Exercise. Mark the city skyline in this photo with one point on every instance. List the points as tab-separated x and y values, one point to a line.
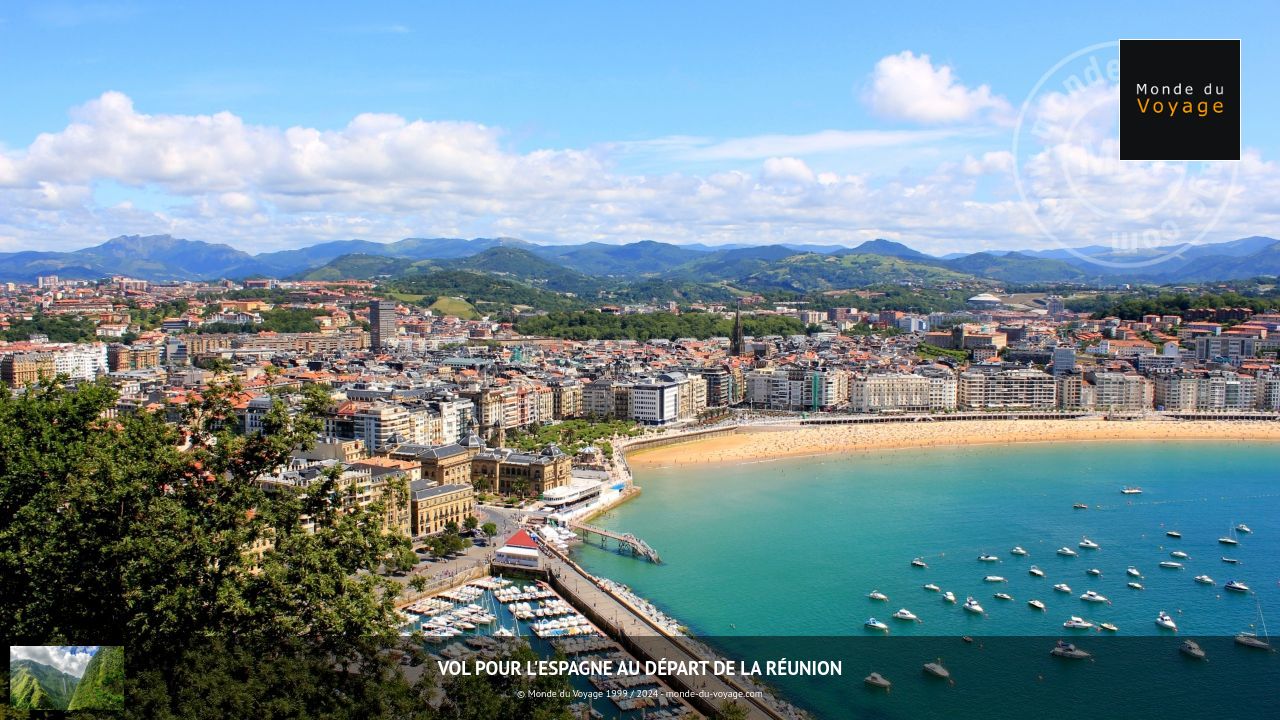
427	124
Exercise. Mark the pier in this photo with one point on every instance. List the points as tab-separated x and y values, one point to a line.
638	547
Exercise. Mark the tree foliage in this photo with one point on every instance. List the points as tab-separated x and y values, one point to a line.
649	326
129	531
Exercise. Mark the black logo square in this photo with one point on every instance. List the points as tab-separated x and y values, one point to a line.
1179	99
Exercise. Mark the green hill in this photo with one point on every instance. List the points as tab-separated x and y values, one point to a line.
813	271
37	686
102	687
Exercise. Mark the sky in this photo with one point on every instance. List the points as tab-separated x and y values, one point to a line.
275	125
70	659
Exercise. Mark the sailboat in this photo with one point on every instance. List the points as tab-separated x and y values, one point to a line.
1250	639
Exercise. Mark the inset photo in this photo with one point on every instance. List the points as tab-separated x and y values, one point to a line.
62	680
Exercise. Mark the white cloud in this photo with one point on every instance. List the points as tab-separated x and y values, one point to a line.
69	659
383	177
907	86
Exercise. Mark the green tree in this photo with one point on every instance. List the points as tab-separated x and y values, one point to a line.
489	529
470	523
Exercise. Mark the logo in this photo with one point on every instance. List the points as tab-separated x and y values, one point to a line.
1117	213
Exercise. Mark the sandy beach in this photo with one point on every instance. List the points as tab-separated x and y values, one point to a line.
754	444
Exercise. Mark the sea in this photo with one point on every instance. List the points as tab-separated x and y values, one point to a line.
775	559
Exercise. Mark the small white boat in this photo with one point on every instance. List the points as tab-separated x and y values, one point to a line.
919	562
1003	596
972	606
1091	596
931	587
1192	649
1179	554
1065	649
935	669
1243	528
949	596
877	595
988	558
875	624
1230	561
1171	565
994	579
1173	533
1236	586
877	680
1135	586
1133	572
1067	552
1109	627
1166	622
1036	571
1204	580
1095	572
905	614
1228	541
1088	544
1036	604
1127	490
1017	550
1062	588
1076	623
1080	506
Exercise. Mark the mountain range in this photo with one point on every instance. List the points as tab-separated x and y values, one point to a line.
36	686
594	265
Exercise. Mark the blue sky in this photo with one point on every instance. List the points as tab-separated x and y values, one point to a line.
622	110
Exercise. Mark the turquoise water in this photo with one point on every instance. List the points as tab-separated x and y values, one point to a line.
791	548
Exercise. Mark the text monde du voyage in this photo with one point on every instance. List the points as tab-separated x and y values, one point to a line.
1180	99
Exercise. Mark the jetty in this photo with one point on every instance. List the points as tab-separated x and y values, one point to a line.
638	547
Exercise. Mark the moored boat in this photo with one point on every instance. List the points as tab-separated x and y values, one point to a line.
919	562
949	596
1067	650
905	614
1062	588
1091	596
1166	622
875	624
1135	586
1133	572
931	587
994	579
1173	534
971	605
1036	604
937	670
1179	554
1088	544
1095	572
1067	552
1236	586
1018	550
1243	528
1109	627
1230	561
1077	623
1192	649
877	595
988	558
1036	571
1204	579
1171	565
1003	596
877	680
1130	490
